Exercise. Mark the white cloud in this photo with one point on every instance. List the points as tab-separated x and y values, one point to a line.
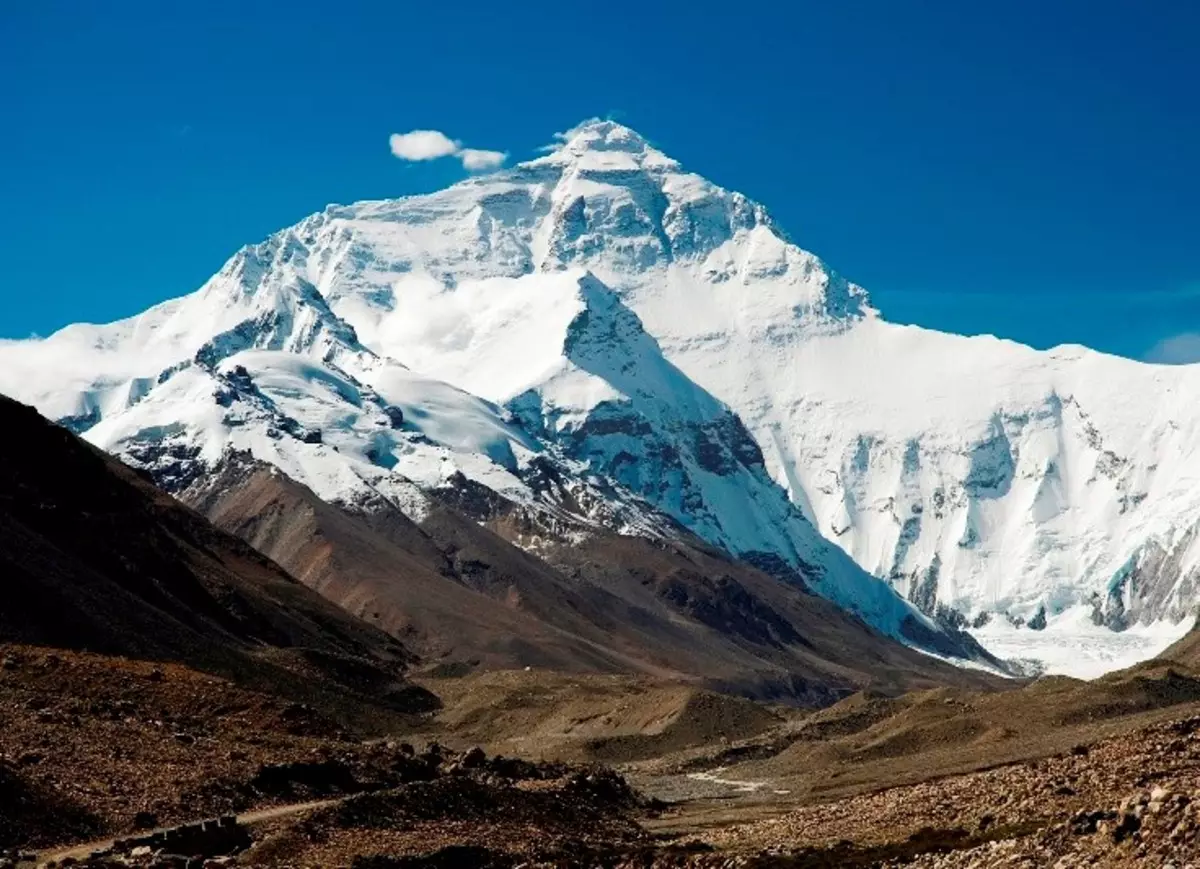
474	159
1176	350
422	145
432	144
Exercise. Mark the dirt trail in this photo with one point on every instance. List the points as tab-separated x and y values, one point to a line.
78	852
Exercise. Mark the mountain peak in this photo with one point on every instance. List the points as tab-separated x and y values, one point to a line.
602	137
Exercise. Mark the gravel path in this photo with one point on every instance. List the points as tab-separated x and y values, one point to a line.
78	852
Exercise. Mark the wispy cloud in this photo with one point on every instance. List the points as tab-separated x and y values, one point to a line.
422	145
475	160
1179	349
418	145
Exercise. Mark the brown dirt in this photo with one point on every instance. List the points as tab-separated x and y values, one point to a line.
1069	809
88	742
530	820
866	743
612	719
1128	800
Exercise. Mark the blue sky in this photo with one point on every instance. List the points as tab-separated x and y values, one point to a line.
1027	169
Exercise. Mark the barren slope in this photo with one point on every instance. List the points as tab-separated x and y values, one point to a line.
457	590
95	557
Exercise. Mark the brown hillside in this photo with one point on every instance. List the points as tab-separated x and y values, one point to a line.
94	557
463	596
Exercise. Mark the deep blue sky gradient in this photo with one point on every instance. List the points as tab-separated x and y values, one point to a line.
1028	169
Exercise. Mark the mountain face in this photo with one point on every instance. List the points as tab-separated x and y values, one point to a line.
617	345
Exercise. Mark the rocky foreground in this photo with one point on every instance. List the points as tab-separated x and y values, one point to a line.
457	809
112	762
1128	801
107	762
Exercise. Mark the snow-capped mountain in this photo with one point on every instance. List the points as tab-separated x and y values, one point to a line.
666	346
582	421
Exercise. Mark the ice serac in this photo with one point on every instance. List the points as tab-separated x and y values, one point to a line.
666	346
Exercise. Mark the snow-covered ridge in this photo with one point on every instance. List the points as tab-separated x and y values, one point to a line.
663	335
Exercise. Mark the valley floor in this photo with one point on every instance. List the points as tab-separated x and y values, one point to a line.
1127	800
110	762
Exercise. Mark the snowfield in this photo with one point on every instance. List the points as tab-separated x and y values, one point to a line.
1073	645
669	349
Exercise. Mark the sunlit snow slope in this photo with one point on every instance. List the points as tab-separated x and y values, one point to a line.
664	336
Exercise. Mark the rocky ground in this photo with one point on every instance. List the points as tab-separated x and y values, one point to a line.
110	762
455	809
98	755
555	816
1130	800
107	745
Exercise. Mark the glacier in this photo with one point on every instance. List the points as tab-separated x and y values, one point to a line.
666	345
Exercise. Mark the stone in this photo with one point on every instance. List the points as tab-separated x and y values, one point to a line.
473	759
1086	823
1128	825
145	820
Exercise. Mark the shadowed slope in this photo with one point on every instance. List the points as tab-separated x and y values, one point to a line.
94	557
